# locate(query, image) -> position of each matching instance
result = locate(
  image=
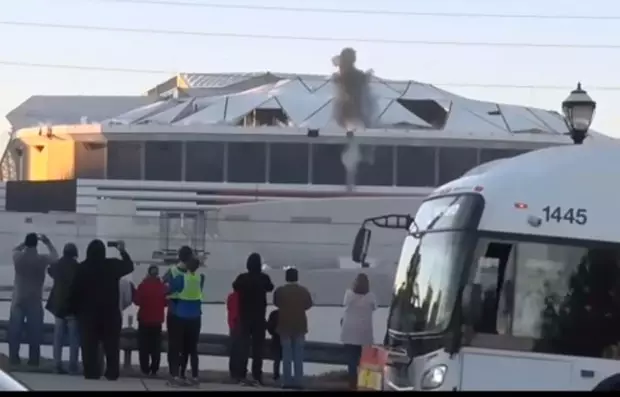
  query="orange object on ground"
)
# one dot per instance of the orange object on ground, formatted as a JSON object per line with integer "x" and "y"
{"x": 370, "y": 373}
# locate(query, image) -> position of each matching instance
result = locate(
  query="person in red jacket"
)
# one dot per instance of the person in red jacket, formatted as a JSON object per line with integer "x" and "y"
{"x": 232, "y": 307}
{"x": 234, "y": 360}
{"x": 150, "y": 297}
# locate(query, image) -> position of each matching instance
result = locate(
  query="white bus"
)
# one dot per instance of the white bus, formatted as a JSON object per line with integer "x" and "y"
{"x": 509, "y": 278}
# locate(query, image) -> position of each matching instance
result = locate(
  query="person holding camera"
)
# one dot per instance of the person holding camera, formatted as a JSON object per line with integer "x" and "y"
{"x": 95, "y": 302}
{"x": 27, "y": 299}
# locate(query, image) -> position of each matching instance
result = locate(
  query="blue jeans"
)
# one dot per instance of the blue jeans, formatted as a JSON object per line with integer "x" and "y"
{"x": 26, "y": 316}
{"x": 293, "y": 358}
{"x": 353, "y": 355}
{"x": 66, "y": 333}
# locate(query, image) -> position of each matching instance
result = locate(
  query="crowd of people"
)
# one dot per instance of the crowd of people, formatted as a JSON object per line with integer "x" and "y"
{"x": 88, "y": 298}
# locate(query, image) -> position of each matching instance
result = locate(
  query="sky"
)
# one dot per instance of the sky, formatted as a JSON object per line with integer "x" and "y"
{"x": 448, "y": 66}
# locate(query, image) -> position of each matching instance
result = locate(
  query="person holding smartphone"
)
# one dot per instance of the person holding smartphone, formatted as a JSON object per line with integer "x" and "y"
{"x": 95, "y": 300}
{"x": 27, "y": 300}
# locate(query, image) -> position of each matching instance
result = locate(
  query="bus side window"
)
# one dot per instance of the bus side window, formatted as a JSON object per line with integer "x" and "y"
{"x": 496, "y": 287}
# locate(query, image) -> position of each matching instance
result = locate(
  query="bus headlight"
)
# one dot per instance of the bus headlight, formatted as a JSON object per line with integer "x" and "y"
{"x": 434, "y": 377}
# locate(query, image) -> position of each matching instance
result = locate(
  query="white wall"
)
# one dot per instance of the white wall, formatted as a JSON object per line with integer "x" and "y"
{"x": 271, "y": 228}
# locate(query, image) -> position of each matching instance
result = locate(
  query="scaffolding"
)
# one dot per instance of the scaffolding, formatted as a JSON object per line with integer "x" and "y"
{"x": 177, "y": 229}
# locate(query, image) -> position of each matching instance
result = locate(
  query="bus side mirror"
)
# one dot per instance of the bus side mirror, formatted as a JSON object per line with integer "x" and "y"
{"x": 360, "y": 245}
{"x": 471, "y": 303}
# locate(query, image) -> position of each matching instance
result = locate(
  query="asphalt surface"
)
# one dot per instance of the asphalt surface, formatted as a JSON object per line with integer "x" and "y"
{"x": 53, "y": 382}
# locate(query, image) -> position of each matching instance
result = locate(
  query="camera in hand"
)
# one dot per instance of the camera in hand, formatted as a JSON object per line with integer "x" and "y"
{"x": 113, "y": 244}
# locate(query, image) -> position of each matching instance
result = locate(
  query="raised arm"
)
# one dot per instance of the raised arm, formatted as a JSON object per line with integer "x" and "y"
{"x": 17, "y": 252}
{"x": 122, "y": 266}
{"x": 52, "y": 255}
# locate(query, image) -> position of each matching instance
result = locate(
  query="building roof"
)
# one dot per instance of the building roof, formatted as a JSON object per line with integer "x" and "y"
{"x": 302, "y": 101}
{"x": 63, "y": 109}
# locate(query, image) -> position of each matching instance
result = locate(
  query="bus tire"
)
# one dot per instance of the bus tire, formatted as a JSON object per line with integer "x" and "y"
{"x": 610, "y": 384}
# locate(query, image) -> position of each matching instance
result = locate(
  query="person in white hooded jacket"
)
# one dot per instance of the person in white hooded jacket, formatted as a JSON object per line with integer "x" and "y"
{"x": 126, "y": 290}
{"x": 357, "y": 328}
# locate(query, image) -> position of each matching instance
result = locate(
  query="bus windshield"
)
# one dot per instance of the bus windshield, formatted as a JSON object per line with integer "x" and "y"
{"x": 431, "y": 263}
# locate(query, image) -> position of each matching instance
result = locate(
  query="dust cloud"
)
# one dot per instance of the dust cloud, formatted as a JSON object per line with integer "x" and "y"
{"x": 354, "y": 107}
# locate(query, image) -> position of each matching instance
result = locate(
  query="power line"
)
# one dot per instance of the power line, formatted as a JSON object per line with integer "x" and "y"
{"x": 171, "y": 72}
{"x": 313, "y": 38}
{"x": 352, "y": 11}
{"x": 85, "y": 67}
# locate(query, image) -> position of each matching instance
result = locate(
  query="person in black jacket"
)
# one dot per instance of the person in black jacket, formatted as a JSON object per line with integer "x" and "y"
{"x": 253, "y": 287}
{"x": 276, "y": 343}
{"x": 63, "y": 273}
{"x": 95, "y": 302}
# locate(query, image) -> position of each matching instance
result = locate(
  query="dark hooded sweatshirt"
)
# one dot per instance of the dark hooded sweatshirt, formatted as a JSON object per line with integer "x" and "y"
{"x": 63, "y": 273}
{"x": 253, "y": 287}
{"x": 95, "y": 289}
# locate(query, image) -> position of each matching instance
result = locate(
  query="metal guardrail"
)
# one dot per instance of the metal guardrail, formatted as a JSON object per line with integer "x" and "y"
{"x": 208, "y": 345}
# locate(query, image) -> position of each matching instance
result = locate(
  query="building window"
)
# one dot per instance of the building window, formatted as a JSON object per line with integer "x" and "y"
{"x": 90, "y": 160}
{"x": 487, "y": 155}
{"x": 247, "y": 162}
{"x": 124, "y": 160}
{"x": 163, "y": 161}
{"x": 288, "y": 162}
{"x": 327, "y": 168}
{"x": 455, "y": 161}
{"x": 204, "y": 161}
{"x": 415, "y": 166}
{"x": 376, "y": 167}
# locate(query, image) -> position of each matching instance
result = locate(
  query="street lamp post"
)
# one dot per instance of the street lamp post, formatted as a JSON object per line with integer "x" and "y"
{"x": 578, "y": 111}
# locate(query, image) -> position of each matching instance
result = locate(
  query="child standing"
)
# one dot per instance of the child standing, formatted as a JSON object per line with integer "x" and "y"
{"x": 276, "y": 344}
{"x": 234, "y": 359}
{"x": 150, "y": 297}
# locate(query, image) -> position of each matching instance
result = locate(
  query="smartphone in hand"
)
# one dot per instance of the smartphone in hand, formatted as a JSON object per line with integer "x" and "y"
{"x": 118, "y": 244}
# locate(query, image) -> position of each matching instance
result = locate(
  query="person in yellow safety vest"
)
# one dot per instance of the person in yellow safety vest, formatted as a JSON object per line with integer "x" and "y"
{"x": 188, "y": 311}
{"x": 174, "y": 349}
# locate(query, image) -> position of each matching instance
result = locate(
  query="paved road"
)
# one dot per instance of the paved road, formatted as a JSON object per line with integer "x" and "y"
{"x": 52, "y": 382}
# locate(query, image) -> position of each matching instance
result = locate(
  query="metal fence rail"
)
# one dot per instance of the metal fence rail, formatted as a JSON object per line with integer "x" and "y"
{"x": 208, "y": 345}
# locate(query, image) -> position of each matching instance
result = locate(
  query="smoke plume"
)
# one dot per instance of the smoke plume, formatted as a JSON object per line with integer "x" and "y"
{"x": 353, "y": 107}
